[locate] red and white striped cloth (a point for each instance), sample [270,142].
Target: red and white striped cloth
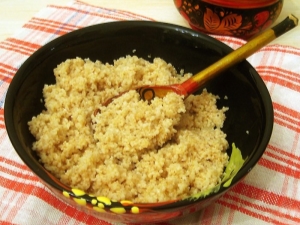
[270,194]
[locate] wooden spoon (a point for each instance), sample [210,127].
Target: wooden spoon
[194,83]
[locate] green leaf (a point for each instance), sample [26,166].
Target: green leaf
[235,163]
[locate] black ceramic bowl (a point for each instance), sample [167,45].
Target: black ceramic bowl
[248,99]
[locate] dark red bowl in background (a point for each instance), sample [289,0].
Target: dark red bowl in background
[240,18]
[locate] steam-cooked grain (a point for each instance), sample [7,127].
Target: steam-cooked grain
[130,149]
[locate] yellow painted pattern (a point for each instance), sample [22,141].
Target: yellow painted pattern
[94,201]
[100,203]
[66,194]
[78,192]
[135,210]
[98,209]
[118,210]
[80,201]
[105,200]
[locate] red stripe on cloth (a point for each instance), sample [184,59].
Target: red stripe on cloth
[60,27]
[292,76]
[22,175]
[287,117]
[14,163]
[293,161]
[246,206]
[282,49]
[280,76]
[24,44]
[4,78]
[267,197]
[284,153]
[284,169]
[6,75]
[249,212]
[113,15]
[8,68]
[20,46]
[51,30]
[263,196]
[55,24]
[284,124]
[50,26]
[288,114]
[283,121]
[51,200]
[84,12]
[2,125]
[119,12]
[7,72]
[275,78]
[293,113]
[6,223]
[11,70]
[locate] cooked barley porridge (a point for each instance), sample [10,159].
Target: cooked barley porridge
[129,149]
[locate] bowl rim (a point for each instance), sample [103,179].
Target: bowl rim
[253,4]
[10,99]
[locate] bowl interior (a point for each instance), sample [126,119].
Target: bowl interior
[250,116]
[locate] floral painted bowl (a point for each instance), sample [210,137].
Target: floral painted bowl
[248,123]
[239,18]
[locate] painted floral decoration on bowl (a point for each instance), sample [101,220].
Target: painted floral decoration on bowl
[239,18]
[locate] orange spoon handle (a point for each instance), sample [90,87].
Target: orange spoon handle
[194,83]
